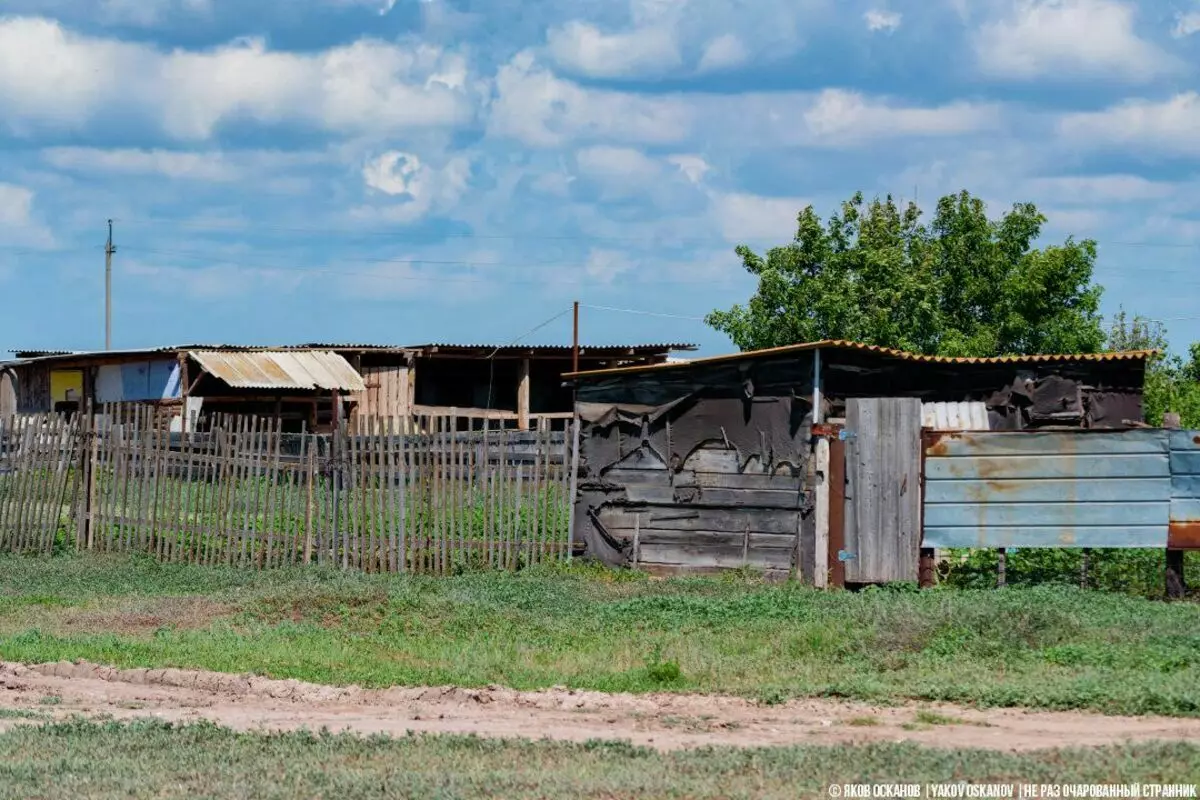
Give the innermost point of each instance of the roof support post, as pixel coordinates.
(523, 396)
(816, 394)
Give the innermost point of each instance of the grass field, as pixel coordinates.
(1052, 648)
(142, 759)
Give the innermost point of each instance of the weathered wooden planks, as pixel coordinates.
(366, 497)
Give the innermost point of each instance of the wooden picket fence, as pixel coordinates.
(243, 493)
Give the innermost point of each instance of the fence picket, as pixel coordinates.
(237, 490)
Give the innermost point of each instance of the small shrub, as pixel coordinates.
(660, 670)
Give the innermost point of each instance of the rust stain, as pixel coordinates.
(1066, 539)
(1196, 440)
(1183, 535)
(937, 443)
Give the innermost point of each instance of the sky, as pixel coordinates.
(410, 171)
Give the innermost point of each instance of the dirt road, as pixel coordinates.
(663, 721)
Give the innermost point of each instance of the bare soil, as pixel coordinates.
(663, 721)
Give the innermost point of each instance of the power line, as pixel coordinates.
(577, 278)
(492, 356)
(236, 227)
(643, 313)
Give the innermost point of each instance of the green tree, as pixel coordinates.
(963, 285)
(1172, 382)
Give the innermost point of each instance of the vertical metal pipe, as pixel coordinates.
(108, 254)
(816, 395)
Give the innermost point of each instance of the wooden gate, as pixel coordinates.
(883, 493)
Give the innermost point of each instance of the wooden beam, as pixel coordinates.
(184, 391)
(821, 538)
(523, 396)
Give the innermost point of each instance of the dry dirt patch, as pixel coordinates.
(125, 616)
(659, 720)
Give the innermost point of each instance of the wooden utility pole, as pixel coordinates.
(575, 340)
(108, 254)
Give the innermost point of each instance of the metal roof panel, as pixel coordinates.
(306, 370)
(842, 344)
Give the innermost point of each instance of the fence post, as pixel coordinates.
(574, 461)
(87, 456)
(335, 480)
(1001, 568)
(310, 480)
(1176, 587)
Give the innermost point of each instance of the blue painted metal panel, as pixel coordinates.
(1048, 489)
(1096, 490)
(139, 381)
(1184, 530)
(1153, 536)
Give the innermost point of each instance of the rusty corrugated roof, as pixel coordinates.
(306, 370)
(842, 344)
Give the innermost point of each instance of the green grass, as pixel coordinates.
(150, 758)
(1048, 647)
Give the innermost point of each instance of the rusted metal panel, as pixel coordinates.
(1183, 532)
(1077, 489)
(305, 370)
(883, 457)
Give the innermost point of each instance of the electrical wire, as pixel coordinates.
(492, 357)
(643, 313)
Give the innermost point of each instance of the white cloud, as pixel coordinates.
(212, 282)
(539, 109)
(1168, 125)
(617, 164)
(147, 13)
(1186, 24)
(213, 166)
(724, 52)
(742, 216)
(838, 117)
(1090, 189)
(882, 20)
(693, 167)
(1069, 37)
(17, 222)
(584, 48)
(605, 265)
(366, 86)
(393, 173)
(421, 188)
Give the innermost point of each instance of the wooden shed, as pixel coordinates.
(804, 460)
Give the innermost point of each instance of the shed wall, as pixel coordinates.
(700, 484)
(8, 394)
(1048, 489)
(33, 389)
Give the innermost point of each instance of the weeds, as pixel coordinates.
(1053, 647)
(153, 758)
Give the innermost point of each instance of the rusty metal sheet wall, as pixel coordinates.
(1048, 489)
(1184, 530)
(883, 498)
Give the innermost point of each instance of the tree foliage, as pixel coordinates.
(1172, 382)
(963, 284)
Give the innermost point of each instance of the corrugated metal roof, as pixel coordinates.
(584, 349)
(841, 344)
(309, 369)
